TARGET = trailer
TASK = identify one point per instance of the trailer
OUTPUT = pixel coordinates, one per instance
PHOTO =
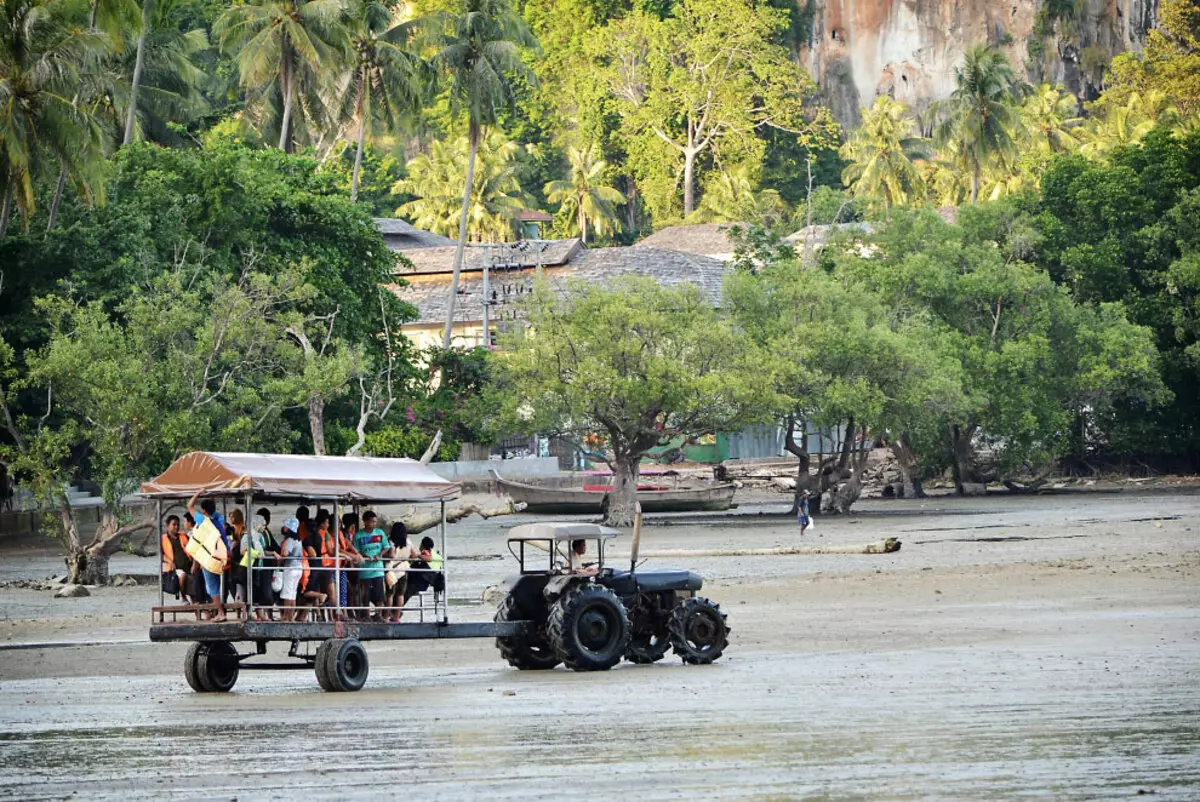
(219, 651)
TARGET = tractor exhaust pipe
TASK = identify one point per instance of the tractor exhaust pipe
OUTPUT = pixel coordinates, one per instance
(637, 536)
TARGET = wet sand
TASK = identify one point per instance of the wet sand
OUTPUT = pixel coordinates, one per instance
(1045, 646)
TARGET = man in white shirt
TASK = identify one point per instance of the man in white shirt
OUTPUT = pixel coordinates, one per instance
(575, 558)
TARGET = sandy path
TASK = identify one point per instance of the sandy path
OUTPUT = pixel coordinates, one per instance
(1064, 664)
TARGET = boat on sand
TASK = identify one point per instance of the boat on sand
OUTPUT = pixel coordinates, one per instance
(582, 500)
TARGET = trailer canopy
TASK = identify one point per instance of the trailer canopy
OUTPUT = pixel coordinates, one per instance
(296, 476)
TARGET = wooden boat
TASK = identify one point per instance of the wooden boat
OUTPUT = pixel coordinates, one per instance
(563, 500)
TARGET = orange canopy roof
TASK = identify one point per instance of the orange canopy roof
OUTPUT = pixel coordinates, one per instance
(302, 477)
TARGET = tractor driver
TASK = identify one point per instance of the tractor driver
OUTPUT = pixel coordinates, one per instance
(575, 562)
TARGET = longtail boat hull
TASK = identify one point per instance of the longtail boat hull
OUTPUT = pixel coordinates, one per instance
(577, 501)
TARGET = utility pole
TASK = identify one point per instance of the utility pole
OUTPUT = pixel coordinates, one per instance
(487, 296)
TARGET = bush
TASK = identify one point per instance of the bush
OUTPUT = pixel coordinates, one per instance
(400, 441)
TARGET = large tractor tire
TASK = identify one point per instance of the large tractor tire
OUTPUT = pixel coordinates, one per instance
(699, 633)
(346, 664)
(647, 647)
(217, 666)
(589, 628)
(526, 652)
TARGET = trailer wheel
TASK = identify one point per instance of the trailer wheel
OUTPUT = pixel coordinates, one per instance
(699, 633)
(522, 651)
(589, 628)
(346, 664)
(191, 667)
(219, 666)
(322, 668)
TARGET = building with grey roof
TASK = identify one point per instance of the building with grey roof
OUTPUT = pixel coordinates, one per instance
(401, 235)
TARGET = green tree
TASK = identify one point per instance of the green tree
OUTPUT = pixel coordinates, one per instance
(586, 196)
(479, 53)
(702, 82)
(1050, 119)
(731, 196)
(636, 361)
(881, 153)
(44, 58)
(164, 85)
(436, 179)
(388, 80)
(981, 117)
(285, 47)
(1169, 63)
(1128, 123)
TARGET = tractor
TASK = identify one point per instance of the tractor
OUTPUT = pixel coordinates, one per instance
(588, 616)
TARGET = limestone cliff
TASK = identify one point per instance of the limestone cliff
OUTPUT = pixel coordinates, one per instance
(909, 48)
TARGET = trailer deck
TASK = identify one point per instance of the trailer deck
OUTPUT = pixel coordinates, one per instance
(306, 631)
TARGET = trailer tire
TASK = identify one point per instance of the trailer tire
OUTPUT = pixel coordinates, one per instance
(699, 633)
(589, 628)
(191, 667)
(219, 666)
(346, 664)
(520, 650)
(321, 667)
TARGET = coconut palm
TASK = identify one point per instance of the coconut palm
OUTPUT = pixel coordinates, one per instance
(479, 53)
(161, 84)
(1049, 119)
(731, 196)
(388, 79)
(436, 178)
(881, 154)
(1129, 123)
(43, 61)
(586, 196)
(285, 47)
(981, 115)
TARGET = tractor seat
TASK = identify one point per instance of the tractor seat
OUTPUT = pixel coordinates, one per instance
(667, 579)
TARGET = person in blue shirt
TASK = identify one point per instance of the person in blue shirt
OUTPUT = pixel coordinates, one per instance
(372, 545)
(212, 581)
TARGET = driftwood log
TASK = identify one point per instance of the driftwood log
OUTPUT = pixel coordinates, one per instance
(887, 546)
(419, 522)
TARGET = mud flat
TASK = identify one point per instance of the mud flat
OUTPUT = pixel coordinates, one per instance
(1045, 647)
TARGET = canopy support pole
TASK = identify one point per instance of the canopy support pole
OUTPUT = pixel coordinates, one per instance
(337, 559)
(445, 585)
(159, 523)
(250, 541)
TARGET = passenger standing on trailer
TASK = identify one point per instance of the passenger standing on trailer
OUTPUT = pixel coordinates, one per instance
(212, 581)
(291, 559)
(396, 578)
(176, 564)
(349, 556)
(254, 548)
(311, 592)
(329, 550)
(264, 590)
(372, 545)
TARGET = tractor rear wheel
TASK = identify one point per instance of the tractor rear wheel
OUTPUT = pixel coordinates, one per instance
(699, 633)
(589, 628)
(526, 652)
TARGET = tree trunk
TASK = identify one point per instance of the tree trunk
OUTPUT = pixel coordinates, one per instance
(975, 181)
(137, 73)
(473, 135)
(92, 20)
(906, 460)
(966, 476)
(6, 210)
(59, 189)
(288, 84)
(358, 155)
(804, 478)
(582, 224)
(622, 500)
(87, 564)
(316, 423)
(689, 177)
(631, 203)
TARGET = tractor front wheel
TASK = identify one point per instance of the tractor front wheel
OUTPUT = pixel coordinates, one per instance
(647, 647)
(589, 628)
(699, 633)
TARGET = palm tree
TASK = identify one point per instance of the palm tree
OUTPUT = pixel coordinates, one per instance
(387, 80)
(1049, 118)
(586, 196)
(980, 117)
(1128, 124)
(881, 154)
(730, 196)
(163, 84)
(479, 53)
(43, 61)
(283, 45)
(436, 178)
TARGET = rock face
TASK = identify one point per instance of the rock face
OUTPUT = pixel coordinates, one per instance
(908, 49)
